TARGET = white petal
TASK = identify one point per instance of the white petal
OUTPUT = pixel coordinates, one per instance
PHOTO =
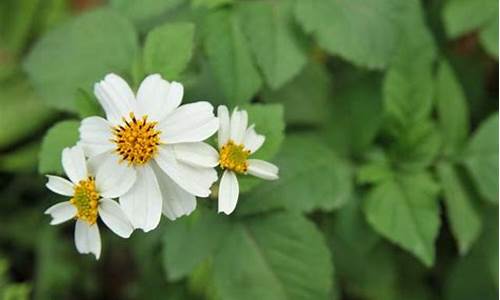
(61, 212)
(194, 122)
(262, 169)
(112, 215)
(194, 180)
(228, 192)
(176, 201)
(87, 238)
(252, 140)
(115, 97)
(224, 125)
(142, 203)
(73, 161)
(95, 136)
(60, 185)
(157, 97)
(239, 121)
(197, 154)
(114, 177)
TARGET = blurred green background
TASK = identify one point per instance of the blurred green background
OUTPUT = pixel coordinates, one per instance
(381, 114)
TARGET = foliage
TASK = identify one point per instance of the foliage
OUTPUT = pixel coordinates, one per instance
(382, 116)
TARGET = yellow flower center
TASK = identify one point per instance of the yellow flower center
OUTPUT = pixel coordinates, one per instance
(234, 157)
(86, 199)
(137, 140)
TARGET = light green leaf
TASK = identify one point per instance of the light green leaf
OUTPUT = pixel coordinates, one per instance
(464, 219)
(189, 241)
(362, 32)
(21, 113)
(305, 97)
(229, 57)
(452, 109)
(79, 53)
(86, 105)
(168, 49)
(273, 39)
(481, 158)
(61, 135)
(408, 92)
(462, 16)
(489, 37)
(276, 257)
(311, 177)
(405, 210)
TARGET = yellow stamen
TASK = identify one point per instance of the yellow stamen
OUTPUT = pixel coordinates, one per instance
(86, 199)
(234, 157)
(136, 140)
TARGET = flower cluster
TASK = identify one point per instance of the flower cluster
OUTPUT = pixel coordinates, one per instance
(150, 154)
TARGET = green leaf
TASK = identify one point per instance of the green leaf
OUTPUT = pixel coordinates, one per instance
(273, 39)
(452, 109)
(405, 210)
(481, 158)
(86, 105)
(311, 177)
(278, 257)
(168, 49)
(408, 92)
(22, 113)
(144, 11)
(268, 120)
(464, 219)
(362, 32)
(189, 241)
(61, 135)
(304, 97)
(363, 263)
(360, 99)
(22, 160)
(79, 53)
(229, 57)
(462, 16)
(489, 37)
(210, 3)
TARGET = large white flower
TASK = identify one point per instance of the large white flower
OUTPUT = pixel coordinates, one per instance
(236, 143)
(151, 148)
(90, 198)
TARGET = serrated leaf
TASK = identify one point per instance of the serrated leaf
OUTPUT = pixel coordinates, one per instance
(452, 109)
(229, 57)
(464, 219)
(305, 97)
(481, 158)
(168, 49)
(311, 177)
(22, 113)
(462, 16)
(79, 53)
(405, 210)
(279, 257)
(273, 39)
(61, 135)
(189, 241)
(362, 32)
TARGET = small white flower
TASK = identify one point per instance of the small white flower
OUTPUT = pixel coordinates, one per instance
(89, 200)
(151, 148)
(236, 144)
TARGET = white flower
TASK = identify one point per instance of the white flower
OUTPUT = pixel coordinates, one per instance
(89, 199)
(236, 144)
(151, 148)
